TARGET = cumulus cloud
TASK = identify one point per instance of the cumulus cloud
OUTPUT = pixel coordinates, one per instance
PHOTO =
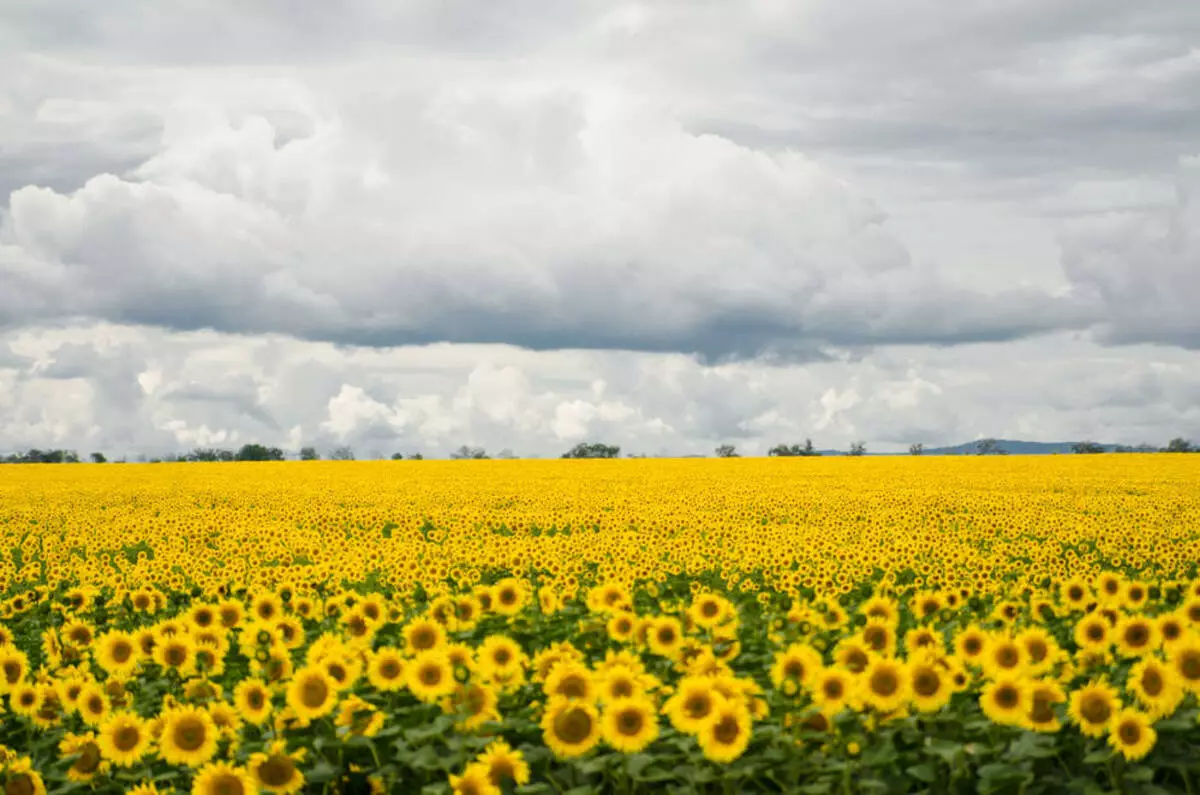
(1145, 267)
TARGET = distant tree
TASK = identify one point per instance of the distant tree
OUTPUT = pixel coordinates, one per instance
(988, 447)
(1180, 445)
(258, 452)
(805, 449)
(416, 457)
(309, 454)
(342, 453)
(507, 454)
(466, 452)
(397, 456)
(916, 449)
(99, 458)
(727, 451)
(592, 450)
(858, 448)
(1087, 448)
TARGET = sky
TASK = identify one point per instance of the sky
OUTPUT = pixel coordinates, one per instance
(407, 226)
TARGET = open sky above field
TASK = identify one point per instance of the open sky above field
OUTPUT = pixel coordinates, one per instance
(664, 225)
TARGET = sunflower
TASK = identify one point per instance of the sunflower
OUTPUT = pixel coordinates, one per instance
(177, 653)
(924, 640)
(665, 636)
(879, 637)
(852, 654)
(710, 609)
(930, 685)
(1185, 662)
(473, 781)
(970, 644)
(1136, 636)
(1134, 596)
(693, 702)
(1155, 686)
(1041, 650)
(222, 778)
(725, 735)
(189, 737)
(1003, 657)
(93, 704)
(504, 764)
(1109, 589)
(312, 693)
(1092, 633)
(252, 700)
(509, 596)
(266, 607)
(499, 657)
(629, 724)
(1075, 593)
(117, 652)
(88, 762)
(474, 703)
(620, 626)
(1043, 695)
(358, 718)
(794, 668)
(1171, 628)
(1005, 700)
(385, 671)
(884, 684)
(26, 699)
(429, 676)
(882, 607)
(20, 778)
(570, 728)
(14, 667)
(1131, 733)
(832, 689)
(1092, 708)
(618, 681)
(124, 738)
(423, 634)
(572, 681)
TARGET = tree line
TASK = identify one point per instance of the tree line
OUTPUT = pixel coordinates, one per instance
(583, 450)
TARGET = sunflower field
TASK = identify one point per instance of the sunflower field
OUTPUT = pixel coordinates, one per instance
(873, 625)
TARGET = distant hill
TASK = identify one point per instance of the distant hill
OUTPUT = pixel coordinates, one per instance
(1018, 447)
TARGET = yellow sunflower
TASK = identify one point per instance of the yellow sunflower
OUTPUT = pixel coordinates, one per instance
(629, 724)
(1043, 695)
(222, 778)
(253, 701)
(429, 676)
(930, 686)
(1132, 734)
(1092, 707)
(312, 693)
(725, 735)
(124, 738)
(189, 737)
(504, 764)
(1006, 700)
(693, 702)
(884, 684)
(1156, 687)
(570, 728)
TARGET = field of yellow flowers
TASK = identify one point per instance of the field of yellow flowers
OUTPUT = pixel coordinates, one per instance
(844, 625)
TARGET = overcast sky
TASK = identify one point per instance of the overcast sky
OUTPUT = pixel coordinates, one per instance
(409, 226)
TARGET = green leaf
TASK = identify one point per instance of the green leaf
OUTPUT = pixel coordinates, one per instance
(946, 750)
(1097, 757)
(923, 772)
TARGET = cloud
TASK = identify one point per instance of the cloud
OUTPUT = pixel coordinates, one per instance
(1145, 268)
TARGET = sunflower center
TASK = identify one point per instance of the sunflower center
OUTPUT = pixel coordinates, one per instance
(126, 738)
(89, 759)
(175, 656)
(255, 699)
(389, 669)
(630, 722)
(573, 687)
(793, 669)
(502, 656)
(1095, 632)
(833, 688)
(1152, 682)
(1037, 650)
(226, 784)
(1007, 697)
(857, 660)
(926, 683)
(430, 675)
(1129, 732)
(972, 646)
(620, 688)
(726, 730)
(1137, 635)
(1171, 630)
(666, 635)
(314, 692)
(1074, 593)
(876, 638)
(573, 726)
(1189, 666)
(277, 771)
(12, 671)
(884, 683)
(1041, 712)
(697, 706)
(710, 609)
(189, 734)
(121, 651)
(20, 784)
(1095, 709)
(1007, 657)
(424, 638)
